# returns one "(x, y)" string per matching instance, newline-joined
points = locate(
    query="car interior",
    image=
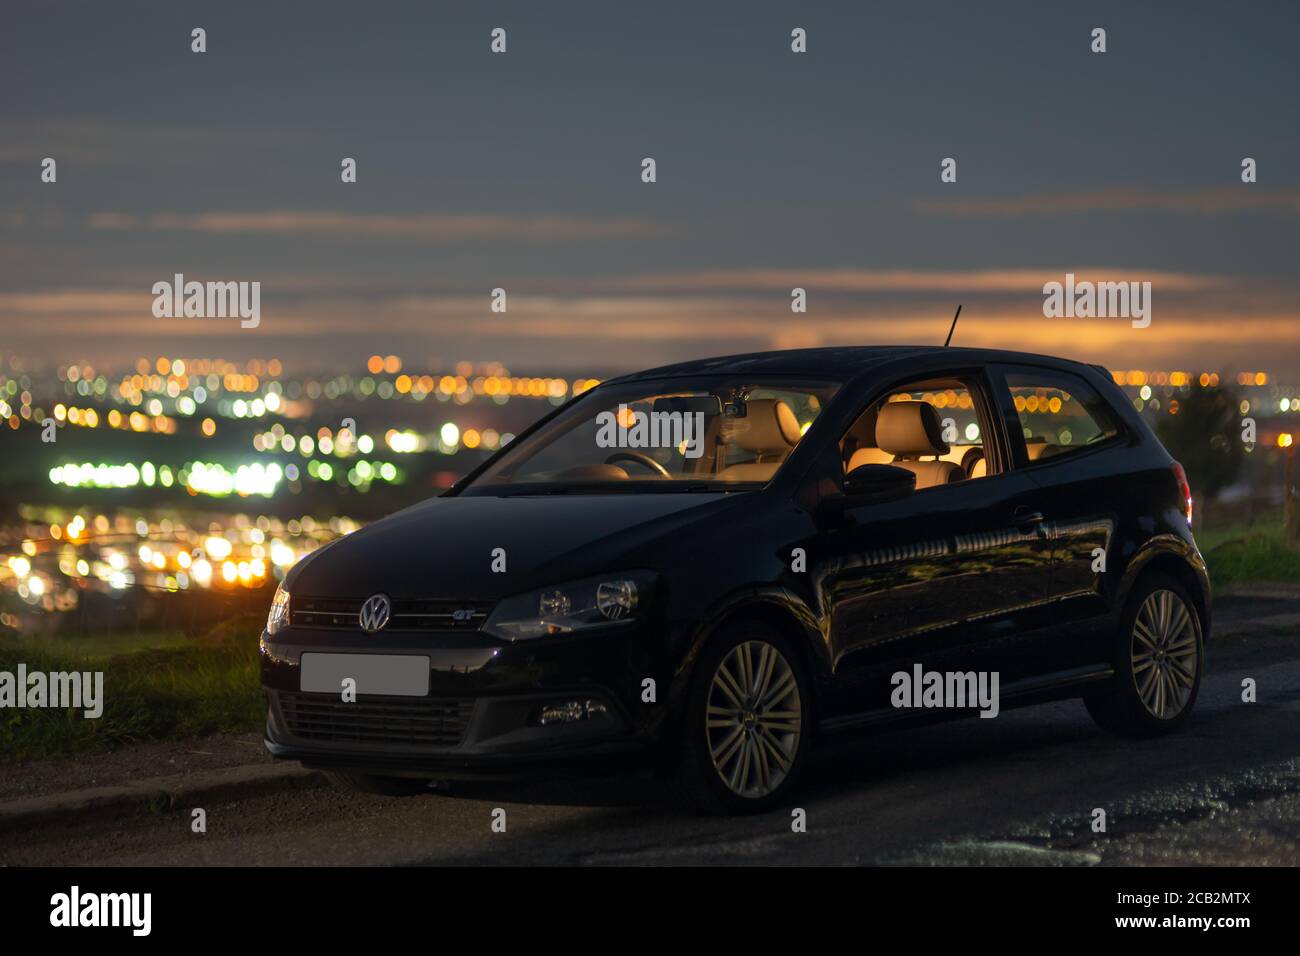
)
(933, 429)
(765, 437)
(744, 434)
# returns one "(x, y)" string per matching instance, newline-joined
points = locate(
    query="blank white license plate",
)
(396, 675)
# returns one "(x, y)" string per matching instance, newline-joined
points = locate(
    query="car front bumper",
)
(482, 714)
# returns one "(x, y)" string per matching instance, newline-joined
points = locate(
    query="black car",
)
(710, 565)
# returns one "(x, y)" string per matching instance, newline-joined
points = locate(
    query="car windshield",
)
(713, 433)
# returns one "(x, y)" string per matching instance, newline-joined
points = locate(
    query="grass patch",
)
(204, 685)
(98, 647)
(1249, 555)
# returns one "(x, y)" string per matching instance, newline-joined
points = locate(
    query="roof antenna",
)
(952, 327)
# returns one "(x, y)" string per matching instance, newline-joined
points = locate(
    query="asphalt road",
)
(1017, 789)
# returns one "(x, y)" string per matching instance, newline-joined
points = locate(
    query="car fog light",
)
(570, 711)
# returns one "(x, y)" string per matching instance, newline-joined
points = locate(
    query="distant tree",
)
(1205, 436)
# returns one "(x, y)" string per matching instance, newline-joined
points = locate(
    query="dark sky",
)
(775, 169)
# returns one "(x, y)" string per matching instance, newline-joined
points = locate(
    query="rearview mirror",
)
(878, 483)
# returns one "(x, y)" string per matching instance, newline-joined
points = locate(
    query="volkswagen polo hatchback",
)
(712, 565)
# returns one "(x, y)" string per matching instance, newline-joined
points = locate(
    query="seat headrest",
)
(769, 427)
(910, 428)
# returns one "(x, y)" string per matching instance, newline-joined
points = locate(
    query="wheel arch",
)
(1179, 561)
(773, 607)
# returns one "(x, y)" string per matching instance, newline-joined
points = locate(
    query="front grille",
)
(344, 613)
(406, 721)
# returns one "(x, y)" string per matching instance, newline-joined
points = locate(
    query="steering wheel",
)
(640, 459)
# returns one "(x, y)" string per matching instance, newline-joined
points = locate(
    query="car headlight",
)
(278, 619)
(610, 599)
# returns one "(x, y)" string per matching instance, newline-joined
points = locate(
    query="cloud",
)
(842, 283)
(898, 280)
(71, 302)
(599, 324)
(1211, 201)
(1221, 327)
(89, 142)
(342, 225)
(114, 220)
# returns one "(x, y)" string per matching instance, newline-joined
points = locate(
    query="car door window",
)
(949, 450)
(1059, 414)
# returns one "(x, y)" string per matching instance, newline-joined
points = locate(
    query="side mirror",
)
(875, 483)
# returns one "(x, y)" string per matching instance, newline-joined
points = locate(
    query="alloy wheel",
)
(1165, 649)
(754, 719)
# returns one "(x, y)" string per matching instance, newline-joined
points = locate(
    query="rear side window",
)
(1059, 414)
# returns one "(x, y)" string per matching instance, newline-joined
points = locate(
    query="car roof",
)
(842, 363)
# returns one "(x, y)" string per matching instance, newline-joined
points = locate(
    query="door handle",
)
(1025, 518)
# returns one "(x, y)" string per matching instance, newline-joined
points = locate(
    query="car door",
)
(1064, 439)
(942, 577)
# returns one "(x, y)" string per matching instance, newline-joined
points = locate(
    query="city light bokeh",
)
(181, 475)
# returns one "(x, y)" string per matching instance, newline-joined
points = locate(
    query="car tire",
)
(1159, 656)
(752, 756)
(380, 786)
